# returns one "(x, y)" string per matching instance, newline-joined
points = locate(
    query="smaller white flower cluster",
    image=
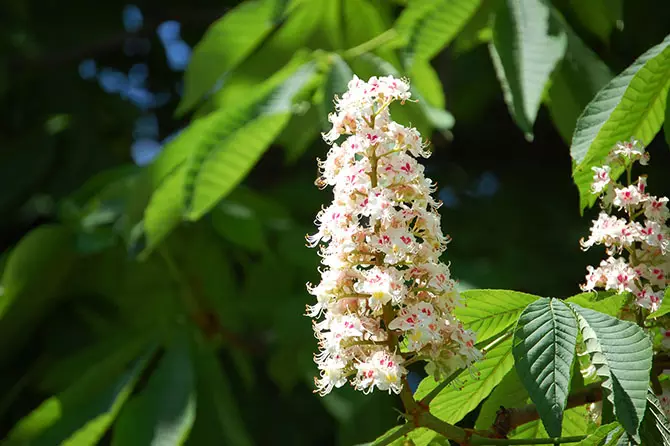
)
(638, 244)
(384, 295)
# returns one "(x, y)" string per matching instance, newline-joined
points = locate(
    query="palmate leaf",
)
(575, 423)
(489, 312)
(622, 355)
(429, 25)
(528, 42)
(544, 351)
(164, 411)
(630, 105)
(210, 157)
(226, 44)
(457, 400)
(607, 302)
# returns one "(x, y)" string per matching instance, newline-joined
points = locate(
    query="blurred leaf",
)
(455, 402)
(601, 434)
(666, 121)
(630, 105)
(83, 412)
(336, 83)
(215, 152)
(489, 312)
(426, 82)
(225, 45)
(527, 45)
(622, 355)
(163, 413)
(34, 271)
(239, 226)
(544, 351)
(478, 30)
(575, 83)
(429, 25)
(598, 16)
(217, 415)
(664, 308)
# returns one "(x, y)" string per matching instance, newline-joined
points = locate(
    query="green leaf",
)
(544, 350)
(454, 403)
(208, 159)
(509, 393)
(528, 42)
(82, 413)
(35, 270)
(666, 121)
(607, 302)
(339, 76)
(622, 355)
(489, 312)
(599, 437)
(575, 422)
(630, 105)
(575, 83)
(655, 428)
(429, 25)
(163, 412)
(665, 306)
(227, 43)
(217, 414)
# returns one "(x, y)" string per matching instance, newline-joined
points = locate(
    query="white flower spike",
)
(380, 240)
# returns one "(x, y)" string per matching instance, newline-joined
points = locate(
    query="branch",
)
(509, 419)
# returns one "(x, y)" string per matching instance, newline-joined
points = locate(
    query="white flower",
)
(628, 197)
(601, 179)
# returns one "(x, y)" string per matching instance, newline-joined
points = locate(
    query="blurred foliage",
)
(153, 260)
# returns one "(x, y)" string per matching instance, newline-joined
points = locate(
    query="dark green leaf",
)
(622, 355)
(489, 312)
(217, 415)
(164, 411)
(655, 428)
(544, 351)
(528, 42)
(599, 437)
(630, 105)
(82, 413)
(598, 16)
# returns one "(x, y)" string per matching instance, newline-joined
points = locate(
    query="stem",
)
(477, 440)
(455, 433)
(371, 44)
(406, 428)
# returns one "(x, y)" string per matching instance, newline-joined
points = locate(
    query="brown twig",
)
(509, 419)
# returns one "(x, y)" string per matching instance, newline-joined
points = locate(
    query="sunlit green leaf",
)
(226, 44)
(457, 400)
(429, 25)
(489, 312)
(630, 105)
